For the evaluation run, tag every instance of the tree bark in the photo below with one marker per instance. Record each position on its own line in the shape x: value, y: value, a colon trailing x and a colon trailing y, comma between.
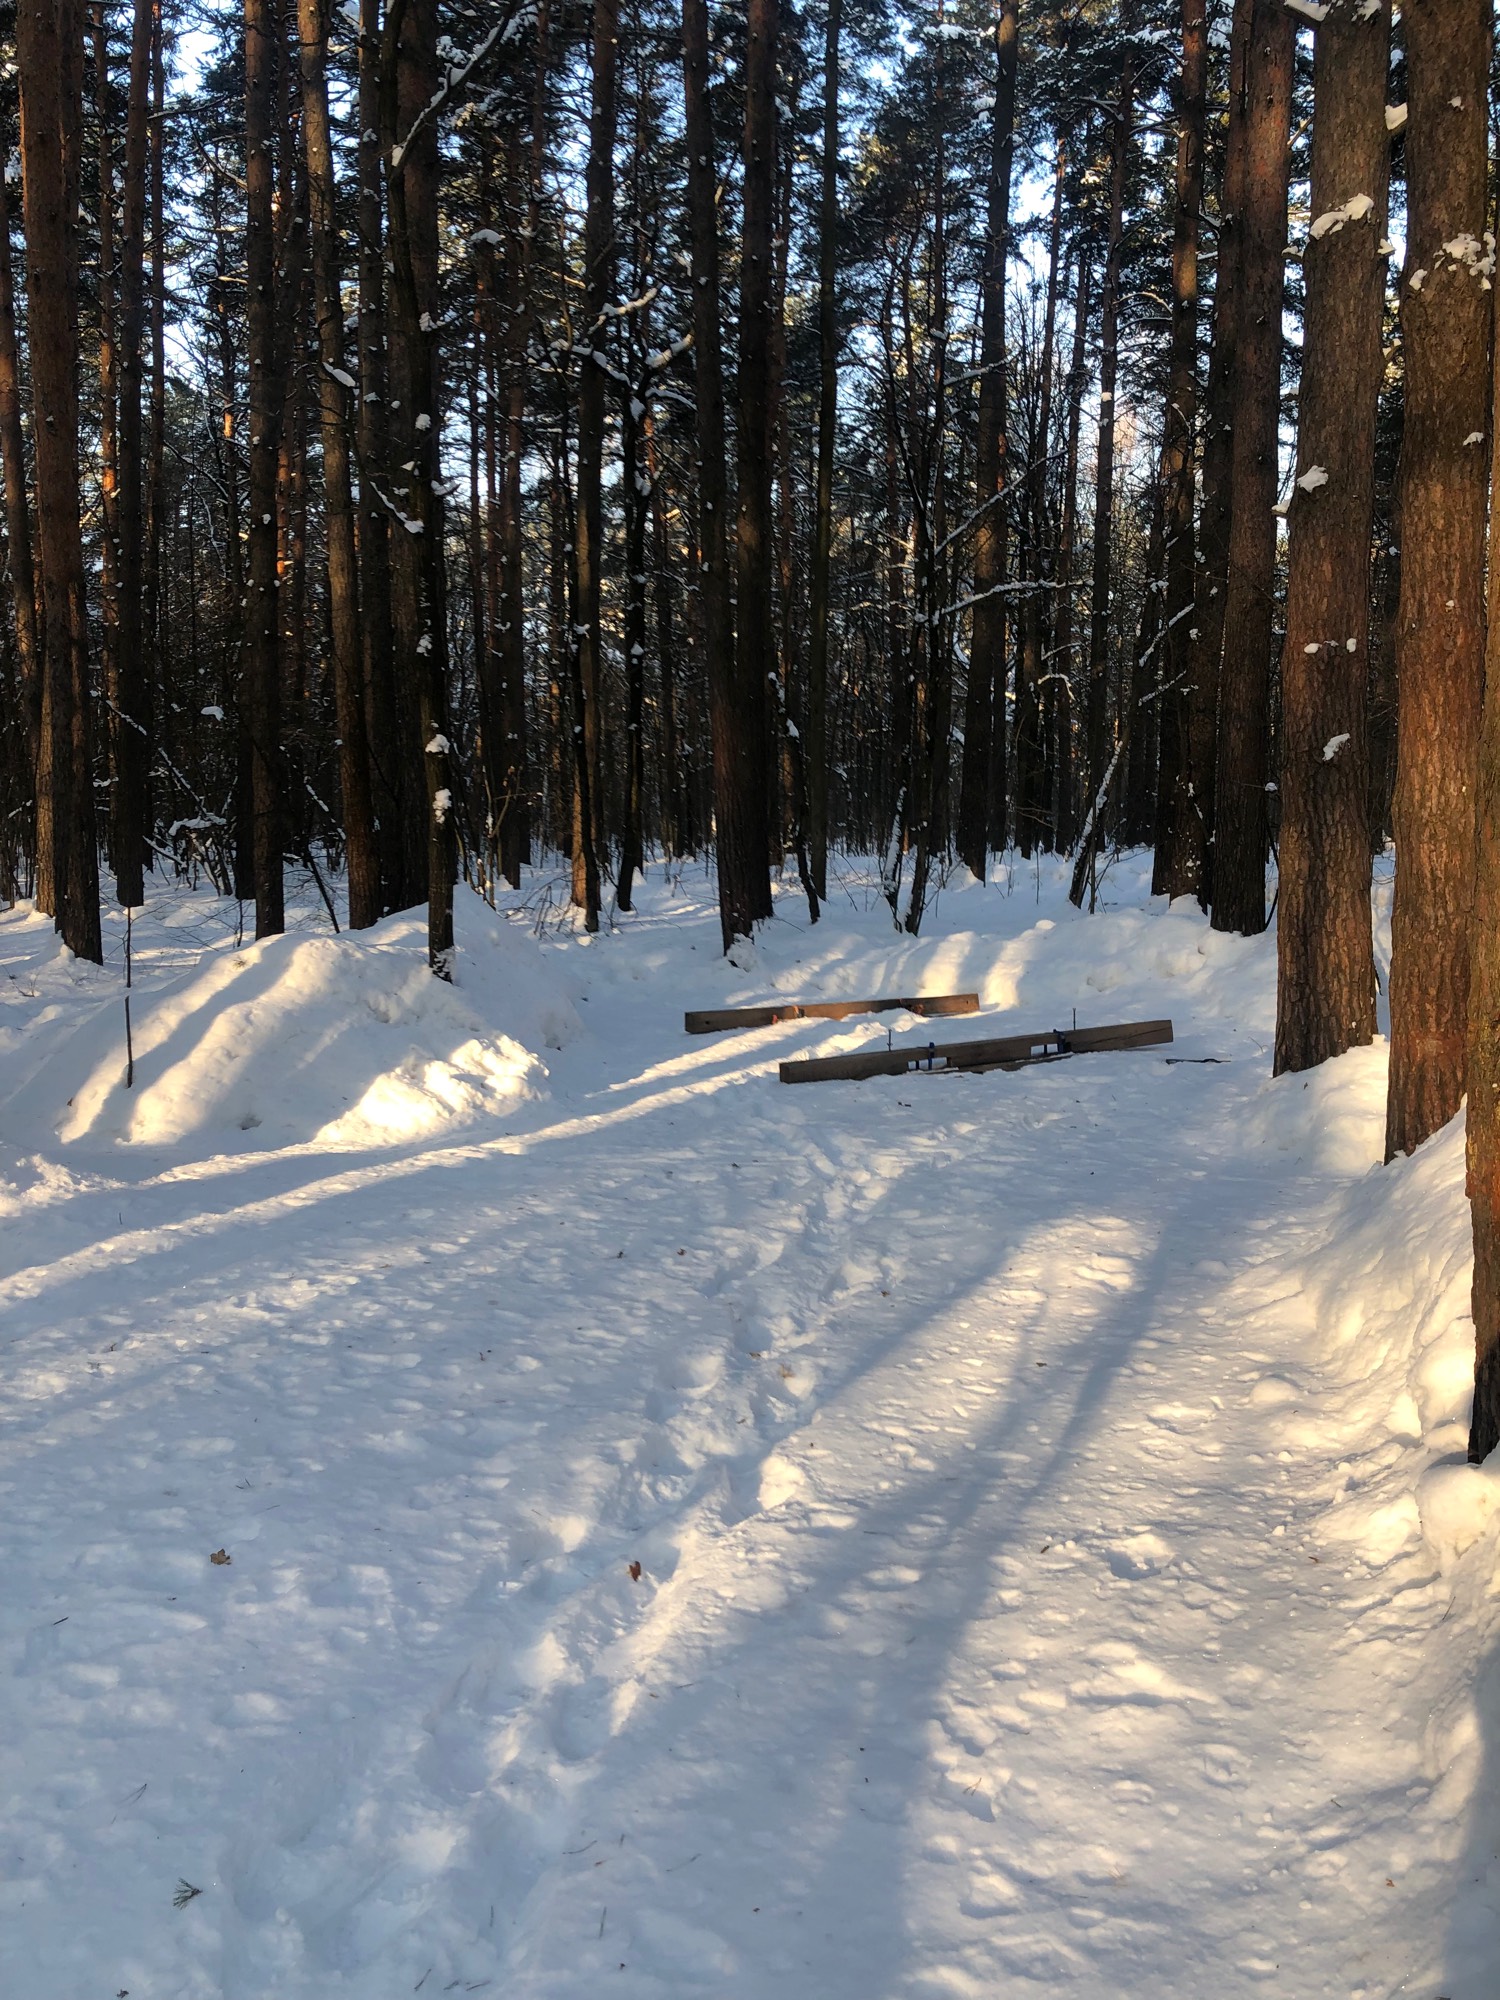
x: 334, y: 384
x: 1325, y: 987
x: 49, y: 54
x: 1182, y: 832
x: 598, y: 284
x: 982, y: 781
x: 1483, y: 1079
x: 17, y: 508
x: 755, y: 651
x: 738, y: 781
x: 828, y: 394
x: 1440, y: 630
x: 1260, y: 103
x: 409, y: 85
x: 262, y: 622
x: 388, y: 766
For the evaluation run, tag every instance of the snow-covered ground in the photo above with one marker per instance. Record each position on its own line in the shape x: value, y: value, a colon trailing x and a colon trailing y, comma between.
x: 1057, y: 1569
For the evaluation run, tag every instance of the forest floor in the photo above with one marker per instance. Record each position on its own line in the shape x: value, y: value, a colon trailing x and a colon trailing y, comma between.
x: 1057, y: 1569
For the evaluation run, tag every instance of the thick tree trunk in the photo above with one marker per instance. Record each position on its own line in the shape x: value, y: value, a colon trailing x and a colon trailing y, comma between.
x: 262, y: 623
x: 632, y: 480
x: 739, y: 779
x: 49, y: 52
x: 1217, y: 440
x: 409, y: 84
x: 1483, y: 1078
x: 828, y: 393
x: 1325, y: 989
x: 755, y: 651
x: 17, y: 506
x: 982, y: 782
x: 1260, y: 105
x: 388, y: 765
x: 1440, y: 633
x: 514, y: 830
x: 598, y: 284
x: 109, y: 405
x: 334, y: 384
x: 1182, y: 832
x: 132, y: 745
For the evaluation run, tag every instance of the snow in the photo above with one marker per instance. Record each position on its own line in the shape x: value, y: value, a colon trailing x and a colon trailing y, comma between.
x: 1355, y: 209
x: 1057, y: 1564
x: 1314, y: 477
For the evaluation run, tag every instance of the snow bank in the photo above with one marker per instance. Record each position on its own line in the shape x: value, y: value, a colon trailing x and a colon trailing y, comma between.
x: 343, y: 1042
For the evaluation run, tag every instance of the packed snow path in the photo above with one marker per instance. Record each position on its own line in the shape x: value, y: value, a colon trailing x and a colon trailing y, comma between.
x: 1030, y: 1595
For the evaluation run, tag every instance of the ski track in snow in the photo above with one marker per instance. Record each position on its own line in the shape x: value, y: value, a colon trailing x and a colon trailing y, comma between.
x: 1031, y: 1600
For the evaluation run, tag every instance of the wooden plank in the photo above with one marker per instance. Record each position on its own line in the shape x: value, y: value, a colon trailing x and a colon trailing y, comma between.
x: 715, y: 1020
x: 995, y: 1052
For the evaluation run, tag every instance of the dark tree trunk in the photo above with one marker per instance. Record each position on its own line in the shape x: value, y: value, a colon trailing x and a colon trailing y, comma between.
x: 49, y: 54
x: 755, y: 651
x: 1325, y: 989
x: 388, y: 765
x: 409, y: 84
x: 1260, y: 105
x: 982, y: 783
x: 1182, y: 833
x: 362, y: 855
x: 1483, y: 1079
x: 739, y: 779
x: 262, y: 623
x: 598, y: 281
x: 828, y: 389
x: 17, y: 508
x: 1440, y: 631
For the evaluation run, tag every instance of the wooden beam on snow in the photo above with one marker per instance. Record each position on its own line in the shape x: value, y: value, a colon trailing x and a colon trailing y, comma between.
x: 996, y: 1052
x: 716, y: 1019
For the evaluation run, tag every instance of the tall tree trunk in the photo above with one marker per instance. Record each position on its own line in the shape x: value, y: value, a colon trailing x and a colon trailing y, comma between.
x: 1440, y: 635
x: 334, y: 383
x: 1096, y: 717
x: 1260, y: 108
x: 1033, y: 819
x: 131, y: 740
x: 598, y: 285
x: 388, y: 765
x: 49, y: 53
x: 17, y: 507
x: 1217, y: 434
x: 981, y: 804
x: 1182, y: 837
x: 1066, y: 550
x: 738, y: 779
x: 1325, y: 987
x: 828, y: 395
x: 409, y: 87
x: 636, y: 496
x: 109, y: 403
x: 262, y: 622
x: 755, y: 652
x: 1483, y: 1116
x: 515, y: 820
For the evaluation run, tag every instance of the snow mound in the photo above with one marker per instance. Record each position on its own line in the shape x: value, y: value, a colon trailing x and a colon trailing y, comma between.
x: 342, y: 1043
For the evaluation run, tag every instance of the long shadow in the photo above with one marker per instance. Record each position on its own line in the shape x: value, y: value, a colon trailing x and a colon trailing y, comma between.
x: 1471, y: 1952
